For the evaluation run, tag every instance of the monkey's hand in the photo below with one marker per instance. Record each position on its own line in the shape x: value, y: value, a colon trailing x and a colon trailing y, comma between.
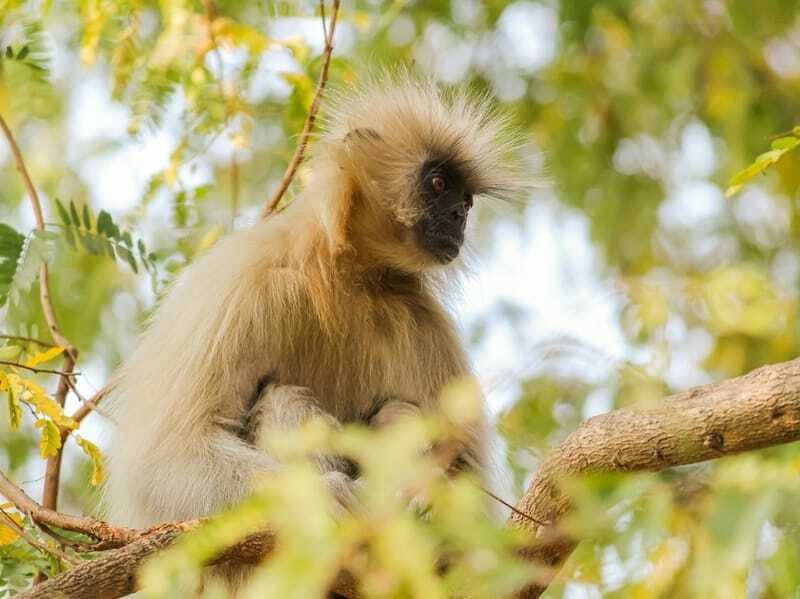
x: 288, y: 407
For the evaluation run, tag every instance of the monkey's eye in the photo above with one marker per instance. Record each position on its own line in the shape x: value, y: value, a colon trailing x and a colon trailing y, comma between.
x: 438, y: 184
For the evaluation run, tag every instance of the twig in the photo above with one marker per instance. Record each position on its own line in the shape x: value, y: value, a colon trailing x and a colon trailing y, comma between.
x: 38, y: 342
x: 518, y: 512
x: 57, y: 553
x: 91, y: 404
x: 38, y: 370
x: 299, y: 152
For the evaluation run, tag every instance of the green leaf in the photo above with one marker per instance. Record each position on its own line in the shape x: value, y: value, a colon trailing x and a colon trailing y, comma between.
x: 127, y: 255
x: 87, y: 217
x: 36, y: 249
x: 9, y: 52
x: 62, y: 213
x: 105, y: 224
x: 23, y: 53
x: 779, y: 148
x: 785, y: 143
x: 76, y: 220
x: 11, y: 243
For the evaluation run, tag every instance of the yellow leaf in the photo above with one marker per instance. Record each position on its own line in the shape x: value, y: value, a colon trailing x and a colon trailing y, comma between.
x: 45, y: 405
x: 98, y: 464
x: 14, y: 409
x: 7, y: 534
x: 44, y: 356
x: 50, y: 441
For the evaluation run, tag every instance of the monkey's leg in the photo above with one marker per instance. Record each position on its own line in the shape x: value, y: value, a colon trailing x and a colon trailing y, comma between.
x: 286, y: 407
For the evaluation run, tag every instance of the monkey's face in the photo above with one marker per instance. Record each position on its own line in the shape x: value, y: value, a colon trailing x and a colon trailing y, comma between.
x: 446, y: 201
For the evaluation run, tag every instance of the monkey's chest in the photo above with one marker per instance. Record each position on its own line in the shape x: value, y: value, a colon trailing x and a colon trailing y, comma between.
x: 372, y: 358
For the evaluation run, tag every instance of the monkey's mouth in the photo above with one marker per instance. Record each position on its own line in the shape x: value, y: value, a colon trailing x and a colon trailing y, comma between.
x: 445, y: 248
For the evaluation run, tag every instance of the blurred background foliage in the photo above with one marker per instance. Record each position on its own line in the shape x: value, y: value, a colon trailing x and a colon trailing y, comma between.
x: 627, y: 276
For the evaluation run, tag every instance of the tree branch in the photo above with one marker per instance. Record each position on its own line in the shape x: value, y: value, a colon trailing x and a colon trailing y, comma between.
x: 760, y: 409
x: 757, y: 410
x: 299, y: 152
x: 108, y: 536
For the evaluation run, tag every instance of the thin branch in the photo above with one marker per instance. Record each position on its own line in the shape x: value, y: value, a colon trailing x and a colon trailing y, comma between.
x: 110, y: 536
x: 38, y: 370
x: 88, y: 404
x: 44, y: 285
x: 757, y: 410
x: 299, y: 152
x: 38, y: 342
x: 53, y: 463
x: 52, y: 476
x: 57, y: 553
x: 516, y: 511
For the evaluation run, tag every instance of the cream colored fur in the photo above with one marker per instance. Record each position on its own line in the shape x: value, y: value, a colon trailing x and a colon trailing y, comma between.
x: 331, y: 299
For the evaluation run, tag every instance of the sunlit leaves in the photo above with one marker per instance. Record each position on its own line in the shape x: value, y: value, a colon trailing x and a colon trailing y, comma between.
x: 50, y: 439
x: 742, y: 299
x: 389, y: 549
x: 98, y: 464
x: 9, y: 531
x: 37, y: 249
x: 10, y: 248
x: 780, y: 147
x: 101, y: 236
x: 95, y: 14
x: 14, y: 408
x: 40, y: 357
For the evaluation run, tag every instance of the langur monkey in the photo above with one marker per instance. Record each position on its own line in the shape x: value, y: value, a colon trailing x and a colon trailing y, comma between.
x: 327, y: 308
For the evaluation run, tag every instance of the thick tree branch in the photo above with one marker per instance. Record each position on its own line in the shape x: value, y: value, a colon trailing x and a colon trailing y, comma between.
x: 757, y: 410
x: 299, y: 152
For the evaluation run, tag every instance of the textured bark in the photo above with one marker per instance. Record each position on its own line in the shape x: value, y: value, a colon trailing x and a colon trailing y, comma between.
x: 757, y: 410
x: 107, y: 536
x: 114, y: 574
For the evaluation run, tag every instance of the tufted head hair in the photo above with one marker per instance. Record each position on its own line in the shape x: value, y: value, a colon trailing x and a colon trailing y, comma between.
x: 381, y: 142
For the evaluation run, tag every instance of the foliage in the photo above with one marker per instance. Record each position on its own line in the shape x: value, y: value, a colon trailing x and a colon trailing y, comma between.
x: 778, y: 149
x: 647, y: 113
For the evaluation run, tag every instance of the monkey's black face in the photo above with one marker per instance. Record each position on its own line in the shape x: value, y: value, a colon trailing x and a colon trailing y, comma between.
x: 446, y: 200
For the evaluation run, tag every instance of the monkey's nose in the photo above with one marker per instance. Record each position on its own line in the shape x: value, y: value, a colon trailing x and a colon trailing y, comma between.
x: 459, y: 212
